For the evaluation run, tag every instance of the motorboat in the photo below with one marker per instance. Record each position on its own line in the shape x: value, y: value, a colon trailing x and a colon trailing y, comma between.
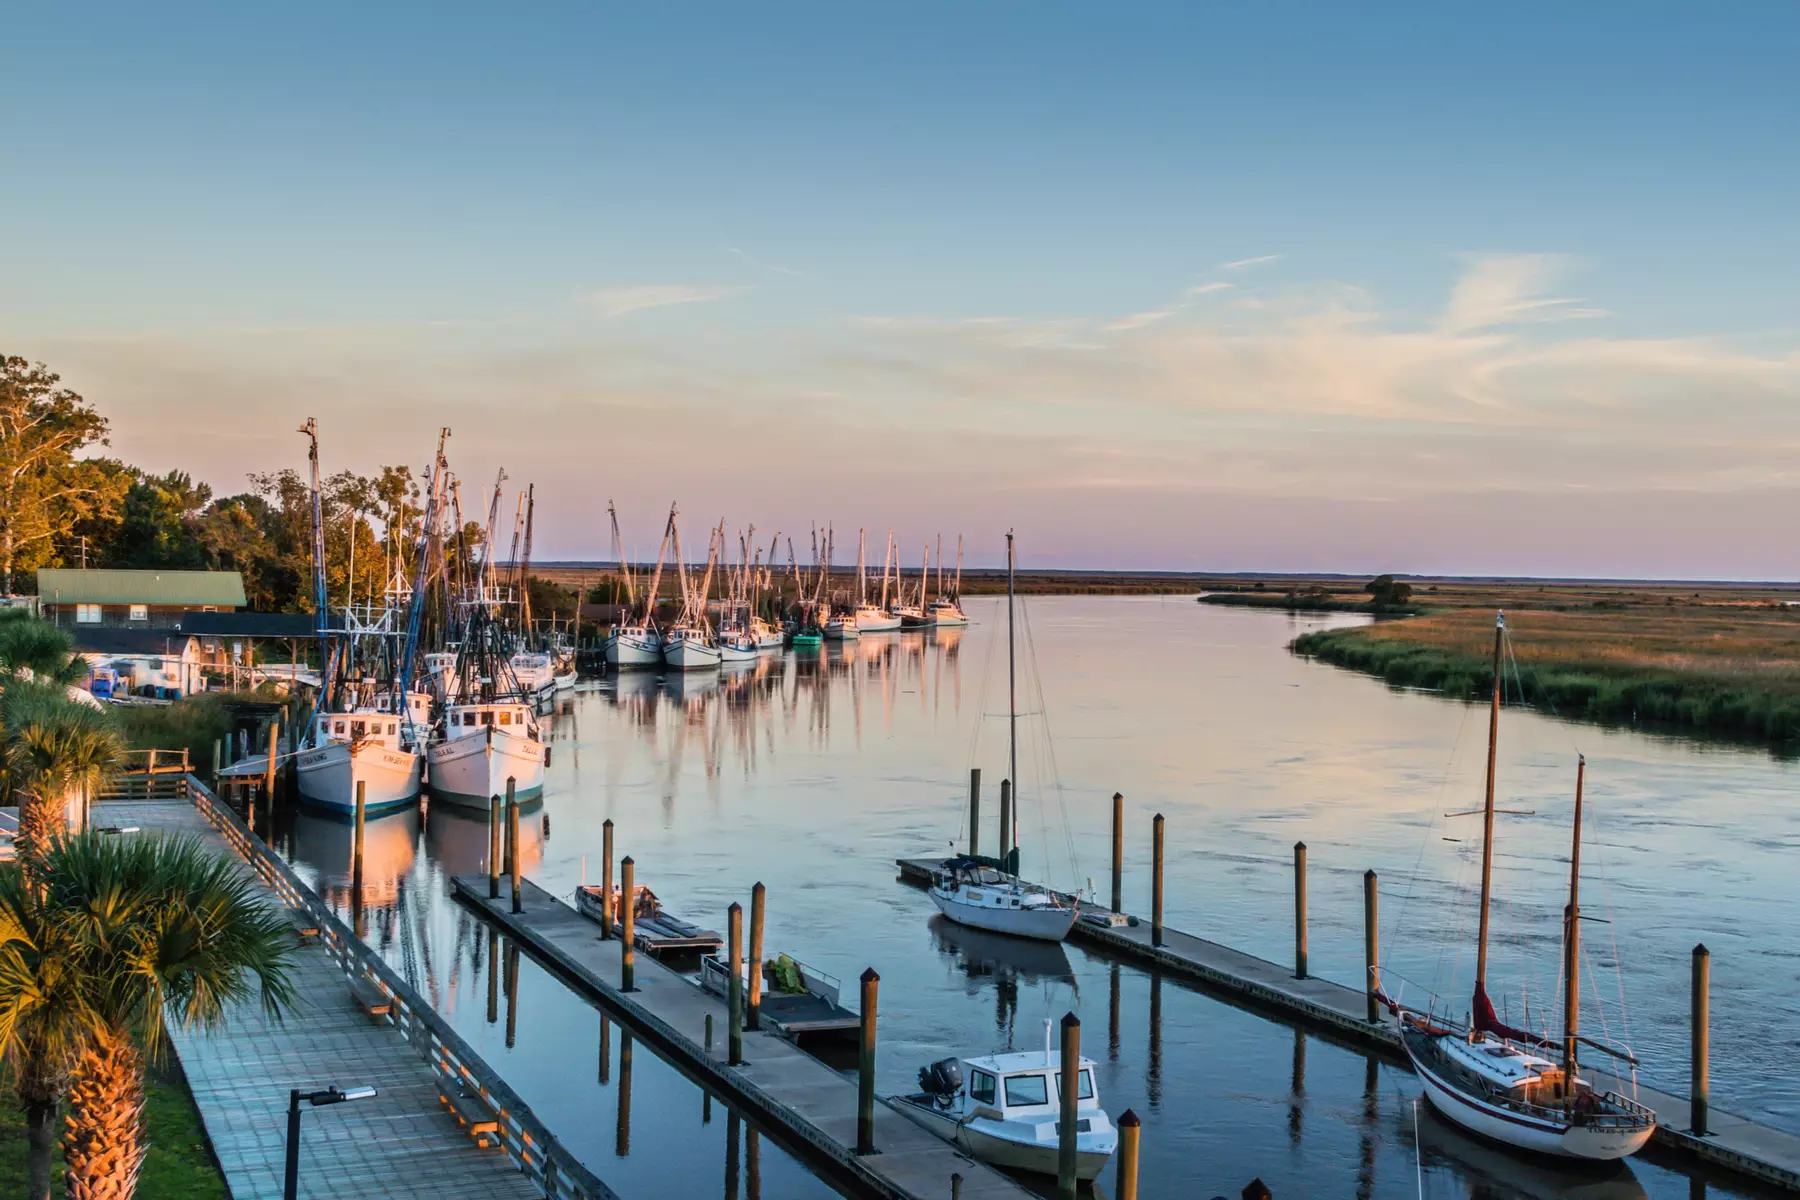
x: 984, y: 894
x: 1004, y: 1109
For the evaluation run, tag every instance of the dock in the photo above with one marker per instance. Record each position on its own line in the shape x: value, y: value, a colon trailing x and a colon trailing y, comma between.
x: 442, y: 1125
x: 1737, y: 1143
x: 804, y: 1103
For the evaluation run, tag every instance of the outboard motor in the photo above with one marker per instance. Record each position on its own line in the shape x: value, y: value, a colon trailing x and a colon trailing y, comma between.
x: 942, y: 1081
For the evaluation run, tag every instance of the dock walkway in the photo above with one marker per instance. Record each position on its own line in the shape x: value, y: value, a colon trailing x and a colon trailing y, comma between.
x: 402, y: 1143
x: 795, y: 1095
x: 1738, y: 1143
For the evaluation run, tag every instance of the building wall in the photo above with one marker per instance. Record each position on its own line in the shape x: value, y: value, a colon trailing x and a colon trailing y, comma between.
x: 156, y: 616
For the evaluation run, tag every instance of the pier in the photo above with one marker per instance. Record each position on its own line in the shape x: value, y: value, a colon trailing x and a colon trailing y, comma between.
x: 442, y: 1124
x: 1736, y: 1143
x: 802, y: 1101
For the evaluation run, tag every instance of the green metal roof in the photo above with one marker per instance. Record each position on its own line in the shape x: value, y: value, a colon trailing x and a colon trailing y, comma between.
x: 224, y: 589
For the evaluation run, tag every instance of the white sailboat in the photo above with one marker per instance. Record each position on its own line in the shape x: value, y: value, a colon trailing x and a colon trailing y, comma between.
x: 1511, y: 1085
x: 988, y: 893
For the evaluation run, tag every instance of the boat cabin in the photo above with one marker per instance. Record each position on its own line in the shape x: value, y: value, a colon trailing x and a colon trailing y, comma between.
x: 1027, y: 1086
x: 513, y: 718
x: 360, y: 725
x: 1507, y: 1069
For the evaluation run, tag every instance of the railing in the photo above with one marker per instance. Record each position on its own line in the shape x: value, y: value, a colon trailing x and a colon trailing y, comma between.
x: 526, y: 1141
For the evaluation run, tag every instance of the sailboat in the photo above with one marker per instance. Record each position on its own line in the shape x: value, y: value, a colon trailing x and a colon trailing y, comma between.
x: 946, y: 611
x: 1511, y: 1085
x: 987, y: 893
x: 913, y: 614
x: 636, y: 642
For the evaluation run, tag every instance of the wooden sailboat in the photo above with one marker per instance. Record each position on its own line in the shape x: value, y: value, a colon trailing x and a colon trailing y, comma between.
x: 987, y: 893
x: 1511, y: 1085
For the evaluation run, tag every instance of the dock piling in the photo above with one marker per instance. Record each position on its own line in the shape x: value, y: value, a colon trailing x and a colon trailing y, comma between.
x: 512, y: 992
x: 1125, y: 1188
x: 1299, y: 910
x: 627, y: 910
x: 865, y: 1059
x: 356, y: 855
x: 1069, y: 1077
x: 622, y: 1133
x: 1118, y: 891
x: 494, y: 847
x: 606, y: 849
x: 605, y: 1048
x: 753, y: 1007
x: 1371, y: 947
x: 517, y: 855
x: 1156, y: 881
x: 709, y: 1031
x: 956, y: 1185
x: 493, y: 950
x: 217, y: 761
x: 974, y: 811
x: 734, y: 924
x: 269, y: 767
x: 1005, y: 817
x: 1700, y: 1086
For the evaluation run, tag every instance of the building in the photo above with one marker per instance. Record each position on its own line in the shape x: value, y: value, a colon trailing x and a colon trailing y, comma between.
x: 74, y: 598
x: 164, y: 663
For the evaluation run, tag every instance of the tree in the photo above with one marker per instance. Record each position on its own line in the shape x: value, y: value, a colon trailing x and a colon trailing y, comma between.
x: 44, y: 488
x: 57, y: 753
x: 1387, y: 592
x: 159, y: 523
x: 43, y: 1018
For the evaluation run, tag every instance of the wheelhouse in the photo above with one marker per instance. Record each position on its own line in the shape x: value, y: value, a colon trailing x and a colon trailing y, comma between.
x: 1023, y: 1087
x: 362, y: 725
x: 515, y: 719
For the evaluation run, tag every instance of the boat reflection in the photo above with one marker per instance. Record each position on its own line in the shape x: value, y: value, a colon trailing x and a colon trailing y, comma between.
x: 328, y: 846
x: 1494, y: 1174
x: 457, y: 838
x: 1001, y: 962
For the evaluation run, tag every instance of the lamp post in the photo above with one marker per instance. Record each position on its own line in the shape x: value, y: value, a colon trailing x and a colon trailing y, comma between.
x: 290, y: 1189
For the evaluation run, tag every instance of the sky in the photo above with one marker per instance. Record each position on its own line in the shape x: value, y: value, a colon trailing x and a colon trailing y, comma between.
x: 1433, y: 289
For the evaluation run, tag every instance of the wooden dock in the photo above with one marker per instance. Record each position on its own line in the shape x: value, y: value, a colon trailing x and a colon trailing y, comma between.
x: 1737, y: 1143
x: 354, y: 1023
x: 804, y: 1103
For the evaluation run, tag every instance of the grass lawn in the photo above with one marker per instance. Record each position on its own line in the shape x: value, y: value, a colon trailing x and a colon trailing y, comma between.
x: 177, y: 1166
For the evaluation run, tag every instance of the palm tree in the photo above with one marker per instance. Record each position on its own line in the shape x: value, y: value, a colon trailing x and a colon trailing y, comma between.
x: 140, y: 931
x: 31, y: 648
x: 45, y: 1016
x: 56, y: 754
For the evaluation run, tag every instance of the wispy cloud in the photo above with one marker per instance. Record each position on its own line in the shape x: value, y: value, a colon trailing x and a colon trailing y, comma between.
x: 760, y: 265
x: 618, y: 301
x: 1508, y: 289
x: 1241, y: 263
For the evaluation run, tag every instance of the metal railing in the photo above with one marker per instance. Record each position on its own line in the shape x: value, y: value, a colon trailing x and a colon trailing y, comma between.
x: 531, y: 1146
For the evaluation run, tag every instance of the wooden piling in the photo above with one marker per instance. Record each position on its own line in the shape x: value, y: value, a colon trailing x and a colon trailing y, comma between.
x: 622, y: 1138
x: 1371, y: 947
x: 1005, y: 817
x: 1299, y: 910
x: 732, y: 1121
x: 1700, y: 1085
x: 269, y: 767
x: 494, y: 847
x: 753, y: 1008
x: 1118, y: 888
x: 865, y: 1061
x: 218, y: 761
x: 605, y: 1048
x: 1070, y: 1077
x: 627, y: 910
x: 518, y: 854
x: 1126, y: 1185
x: 734, y: 925
x: 974, y: 810
x: 356, y: 852
x: 512, y: 992
x: 493, y: 949
x: 1156, y: 880
x: 606, y: 849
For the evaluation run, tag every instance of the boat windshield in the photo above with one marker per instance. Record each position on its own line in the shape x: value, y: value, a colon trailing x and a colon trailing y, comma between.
x: 1025, y: 1091
x: 1084, y: 1085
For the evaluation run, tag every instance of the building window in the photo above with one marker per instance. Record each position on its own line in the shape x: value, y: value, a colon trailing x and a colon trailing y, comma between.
x: 87, y: 614
x: 140, y: 612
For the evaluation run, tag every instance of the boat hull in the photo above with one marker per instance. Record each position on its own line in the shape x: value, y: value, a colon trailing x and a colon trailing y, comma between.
x: 738, y: 654
x: 690, y: 654
x: 634, y: 650
x: 1041, y: 924
x: 470, y: 770
x: 1594, y: 1143
x: 1091, y: 1150
x: 328, y: 776
x: 877, y: 624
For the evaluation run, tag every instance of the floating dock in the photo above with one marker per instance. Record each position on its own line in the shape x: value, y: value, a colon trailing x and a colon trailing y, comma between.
x: 803, y: 1102
x: 1737, y: 1143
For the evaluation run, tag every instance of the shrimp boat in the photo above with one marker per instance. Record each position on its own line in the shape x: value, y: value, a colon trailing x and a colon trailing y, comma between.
x: 1510, y: 1085
x: 875, y: 618
x: 489, y: 734
x: 690, y: 645
x: 1004, y: 1109
x: 987, y: 893
x: 636, y: 642
x: 946, y: 610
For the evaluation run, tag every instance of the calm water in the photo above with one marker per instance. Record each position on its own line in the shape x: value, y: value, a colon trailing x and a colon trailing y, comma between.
x: 814, y: 774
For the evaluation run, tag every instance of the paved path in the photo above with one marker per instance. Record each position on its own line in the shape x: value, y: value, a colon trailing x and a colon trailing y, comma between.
x: 402, y: 1143
x: 1770, y: 1155
x: 788, y: 1088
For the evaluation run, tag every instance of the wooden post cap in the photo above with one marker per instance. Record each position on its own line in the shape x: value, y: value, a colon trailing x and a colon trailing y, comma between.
x: 870, y: 975
x: 1129, y: 1120
x: 1070, y: 1020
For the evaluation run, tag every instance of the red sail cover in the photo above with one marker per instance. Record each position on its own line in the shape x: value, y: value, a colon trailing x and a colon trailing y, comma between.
x: 1487, y: 1021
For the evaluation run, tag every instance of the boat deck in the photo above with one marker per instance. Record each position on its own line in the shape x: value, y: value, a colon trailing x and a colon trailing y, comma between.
x: 809, y: 1016
x: 800, y: 1099
x: 1738, y: 1143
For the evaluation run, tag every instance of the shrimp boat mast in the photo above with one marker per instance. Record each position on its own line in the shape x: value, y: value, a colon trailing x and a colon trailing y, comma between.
x: 987, y: 893
x: 1511, y: 1085
x: 690, y: 645
x: 637, y: 642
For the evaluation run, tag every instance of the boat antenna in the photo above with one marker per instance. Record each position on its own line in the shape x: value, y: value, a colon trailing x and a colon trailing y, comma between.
x: 1012, y: 703
x: 1572, y: 937
x: 1487, y: 817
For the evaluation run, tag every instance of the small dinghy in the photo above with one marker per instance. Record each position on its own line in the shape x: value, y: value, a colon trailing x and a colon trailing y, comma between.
x: 1003, y: 1109
x: 654, y: 930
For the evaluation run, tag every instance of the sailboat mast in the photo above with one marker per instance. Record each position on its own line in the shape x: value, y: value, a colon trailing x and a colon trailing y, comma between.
x: 940, y: 579
x: 1572, y: 935
x: 958, y: 595
x: 1487, y: 814
x: 862, y: 578
x: 1012, y: 702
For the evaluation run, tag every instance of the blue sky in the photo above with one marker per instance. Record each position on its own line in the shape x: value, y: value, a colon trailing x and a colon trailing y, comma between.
x: 1278, y: 286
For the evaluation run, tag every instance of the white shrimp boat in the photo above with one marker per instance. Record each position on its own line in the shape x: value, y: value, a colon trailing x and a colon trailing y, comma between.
x: 688, y: 648
x: 634, y: 646
x: 1513, y: 1086
x: 871, y: 618
x: 534, y: 670
x: 1004, y: 1109
x: 483, y: 746
x: 348, y: 748
x: 738, y: 647
x: 946, y: 613
x: 766, y: 636
x: 840, y: 627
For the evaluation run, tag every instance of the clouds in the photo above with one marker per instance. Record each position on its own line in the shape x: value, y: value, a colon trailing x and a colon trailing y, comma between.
x: 1241, y: 263
x: 619, y: 301
x: 1507, y: 289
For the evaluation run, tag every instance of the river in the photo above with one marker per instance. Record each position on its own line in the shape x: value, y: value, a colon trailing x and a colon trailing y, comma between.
x: 813, y: 774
